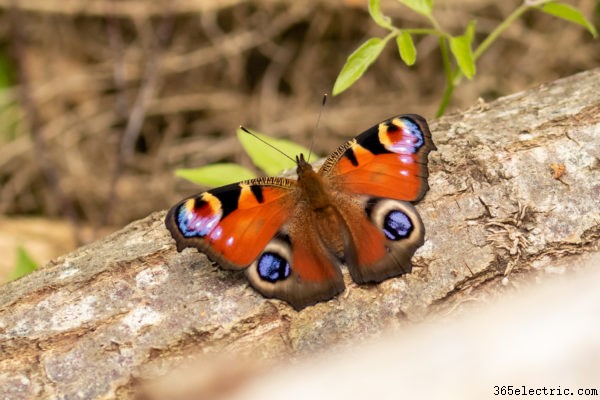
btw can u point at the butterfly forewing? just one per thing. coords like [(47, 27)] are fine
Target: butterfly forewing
[(387, 160), (232, 224)]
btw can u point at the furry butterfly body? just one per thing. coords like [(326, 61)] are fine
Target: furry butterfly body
[(291, 236)]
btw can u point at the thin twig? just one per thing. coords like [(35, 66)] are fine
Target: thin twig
[(136, 117)]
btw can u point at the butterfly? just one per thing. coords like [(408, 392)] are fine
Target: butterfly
[(291, 236)]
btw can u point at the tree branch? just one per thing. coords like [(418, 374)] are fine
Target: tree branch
[(130, 307)]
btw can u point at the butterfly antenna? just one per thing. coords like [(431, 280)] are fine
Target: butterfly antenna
[(312, 142), (265, 142)]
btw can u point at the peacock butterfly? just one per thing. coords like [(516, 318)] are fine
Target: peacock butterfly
[(291, 236)]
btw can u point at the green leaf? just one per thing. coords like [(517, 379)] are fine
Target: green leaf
[(377, 15), (470, 31), (266, 158), (569, 13), (421, 6), (357, 63), (460, 46), (216, 174), (24, 265), (10, 113), (7, 72), (407, 49)]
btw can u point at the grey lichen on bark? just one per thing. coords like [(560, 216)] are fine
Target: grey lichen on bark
[(129, 307)]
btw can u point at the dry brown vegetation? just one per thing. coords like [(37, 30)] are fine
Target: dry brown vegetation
[(114, 95)]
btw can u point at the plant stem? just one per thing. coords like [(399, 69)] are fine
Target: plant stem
[(449, 78), (421, 31), (455, 74), (434, 23), (499, 29)]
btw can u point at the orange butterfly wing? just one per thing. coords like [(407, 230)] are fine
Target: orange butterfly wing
[(258, 226), (388, 160), (232, 224), (387, 167), (295, 266)]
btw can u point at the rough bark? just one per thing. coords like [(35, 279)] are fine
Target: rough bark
[(541, 342), (129, 307)]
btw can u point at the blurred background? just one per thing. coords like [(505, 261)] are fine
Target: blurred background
[(100, 100)]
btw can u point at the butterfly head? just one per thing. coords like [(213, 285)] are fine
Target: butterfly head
[(303, 167)]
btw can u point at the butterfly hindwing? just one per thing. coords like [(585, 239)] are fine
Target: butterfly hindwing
[(296, 268), (396, 231)]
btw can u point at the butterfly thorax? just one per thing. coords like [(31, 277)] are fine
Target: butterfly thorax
[(312, 186)]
